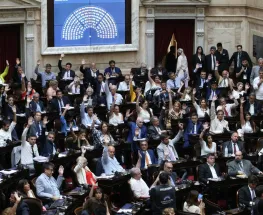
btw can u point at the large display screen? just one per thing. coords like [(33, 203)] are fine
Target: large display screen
[(89, 22)]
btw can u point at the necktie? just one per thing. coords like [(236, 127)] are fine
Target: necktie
[(146, 159), (194, 129), (68, 74), (171, 154), (225, 112), (238, 60), (112, 98), (38, 129), (253, 195), (241, 167), (174, 84), (213, 94), (235, 150), (33, 153), (60, 105), (224, 82)]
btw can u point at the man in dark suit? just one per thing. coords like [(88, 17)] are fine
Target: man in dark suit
[(171, 61), (65, 73), (154, 130), (37, 127), (212, 90), (59, 102), (36, 105), (210, 61), (233, 145), (90, 74), (18, 72), (146, 156), (160, 71), (243, 74), (252, 105), (240, 166), (193, 127), (246, 194), (237, 58), (258, 207), (222, 58), (113, 72), (209, 170)]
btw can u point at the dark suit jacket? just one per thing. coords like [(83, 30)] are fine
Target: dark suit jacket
[(109, 71), (34, 128), (8, 112), (132, 126), (22, 209), (153, 133), (196, 60), (55, 104), (189, 129), (228, 144), (208, 65), (63, 70), (248, 168), (33, 106), (46, 147), (154, 72), (170, 62), (88, 79), (17, 77), (235, 57), (208, 93), (257, 107), (152, 157), (205, 172), (244, 196), (223, 60)]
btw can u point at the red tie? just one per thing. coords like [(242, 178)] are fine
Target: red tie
[(235, 149), (225, 112)]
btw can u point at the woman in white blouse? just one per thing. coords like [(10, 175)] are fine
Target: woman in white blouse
[(207, 146), (143, 111), (115, 117), (201, 109), (182, 73), (74, 86), (193, 204), (239, 92)]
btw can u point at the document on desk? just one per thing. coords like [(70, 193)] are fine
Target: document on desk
[(105, 177), (214, 179), (1, 180), (21, 114), (9, 172), (40, 159), (69, 108)]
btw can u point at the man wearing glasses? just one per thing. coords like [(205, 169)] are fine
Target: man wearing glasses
[(46, 185), (146, 156)]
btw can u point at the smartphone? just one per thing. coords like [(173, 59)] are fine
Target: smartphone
[(200, 196)]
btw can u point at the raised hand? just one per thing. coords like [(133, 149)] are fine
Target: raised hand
[(242, 100), (131, 77), (137, 132), (139, 155), (28, 99), (107, 76), (61, 170), (62, 55), (45, 121), (14, 109), (247, 86), (182, 83), (194, 91), (214, 98), (83, 62), (205, 126), (7, 88), (184, 106), (23, 75), (197, 66), (94, 118), (128, 113), (38, 62), (83, 150), (85, 98), (181, 126), (18, 198), (18, 61), (7, 63), (30, 121), (67, 106)]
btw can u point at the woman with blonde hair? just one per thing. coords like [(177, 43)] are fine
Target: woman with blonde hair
[(182, 73), (168, 211), (51, 91)]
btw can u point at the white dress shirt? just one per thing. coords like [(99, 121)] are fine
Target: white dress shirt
[(67, 75), (218, 126), (171, 84), (139, 188), (6, 135), (200, 112), (213, 60), (252, 193), (252, 109), (86, 120), (258, 90), (205, 149), (213, 171), (123, 86), (223, 83), (229, 107), (237, 148)]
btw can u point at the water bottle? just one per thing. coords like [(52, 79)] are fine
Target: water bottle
[(226, 152), (122, 158)]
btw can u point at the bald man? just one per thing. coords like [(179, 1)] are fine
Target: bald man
[(109, 161), (240, 166), (233, 145)]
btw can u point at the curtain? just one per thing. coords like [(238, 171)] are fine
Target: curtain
[(184, 35), (9, 47)]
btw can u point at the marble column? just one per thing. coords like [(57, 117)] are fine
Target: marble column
[(200, 27), (150, 44)]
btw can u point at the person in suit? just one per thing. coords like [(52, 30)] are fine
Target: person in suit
[(90, 73), (137, 131), (237, 58), (146, 156), (154, 130), (18, 73), (193, 127), (166, 149), (243, 74), (171, 61), (252, 105), (65, 73), (240, 166), (46, 185), (59, 102), (255, 70), (246, 194), (37, 126), (209, 170), (36, 105), (233, 145), (258, 207), (212, 91), (113, 72), (141, 71), (125, 85), (222, 58), (198, 62), (210, 61), (160, 71), (99, 90)]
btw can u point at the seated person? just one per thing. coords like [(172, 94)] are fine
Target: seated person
[(134, 91), (202, 109), (29, 148), (90, 73), (171, 82), (67, 121), (193, 127), (233, 146), (212, 91), (87, 115), (52, 89), (240, 166), (7, 129), (112, 70), (115, 117), (99, 90), (227, 108), (17, 206), (96, 204), (166, 149), (80, 140), (138, 186), (37, 126), (137, 131), (46, 185), (154, 130), (101, 137), (27, 90), (162, 196), (223, 81), (74, 86), (143, 111), (84, 175), (59, 102), (125, 85), (236, 94), (47, 75), (111, 95), (209, 170), (187, 94), (65, 73), (247, 194), (91, 97), (24, 190), (218, 124), (252, 105), (109, 162), (207, 145), (36, 105), (145, 156), (258, 207), (159, 70), (193, 204)]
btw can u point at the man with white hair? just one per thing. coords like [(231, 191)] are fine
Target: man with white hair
[(111, 94), (125, 85), (138, 186), (226, 107), (255, 70)]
